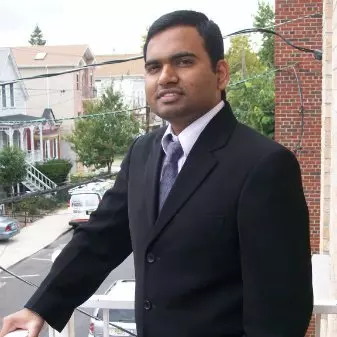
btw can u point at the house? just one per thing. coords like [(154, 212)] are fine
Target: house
[(13, 96), (128, 78), (63, 94), (37, 136)]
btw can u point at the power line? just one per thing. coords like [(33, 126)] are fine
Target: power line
[(87, 116), (316, 15), (73, 70), (317, 54), (265, 74), (77, 309)]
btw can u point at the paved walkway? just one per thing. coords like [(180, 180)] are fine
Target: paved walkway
[(34, 237)]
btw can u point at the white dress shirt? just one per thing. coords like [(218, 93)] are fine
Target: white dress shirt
[(189, 135)]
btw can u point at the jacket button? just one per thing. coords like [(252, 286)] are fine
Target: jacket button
[(150, 258), (147, 305)]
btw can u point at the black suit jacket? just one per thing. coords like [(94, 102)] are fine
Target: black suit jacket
[(228, 255)]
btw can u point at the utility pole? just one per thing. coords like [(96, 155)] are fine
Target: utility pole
[(243, 61), (147, 120)]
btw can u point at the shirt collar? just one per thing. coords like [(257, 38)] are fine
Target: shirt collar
[(189, 135)]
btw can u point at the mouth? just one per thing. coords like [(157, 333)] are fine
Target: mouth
[(169, 96)]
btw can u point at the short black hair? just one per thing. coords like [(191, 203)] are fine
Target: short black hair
[(208, 30)]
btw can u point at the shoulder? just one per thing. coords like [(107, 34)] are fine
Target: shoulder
[(250, 149), (150, 138), (143, 145)]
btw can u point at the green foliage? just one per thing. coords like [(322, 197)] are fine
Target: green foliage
[(12, 166), (265, 18), (98, 140), (36, 38), (34, 205), (78, 178), (56, 170), (252, 101)]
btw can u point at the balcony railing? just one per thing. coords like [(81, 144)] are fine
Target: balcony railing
[(322, 307), (104, 302)]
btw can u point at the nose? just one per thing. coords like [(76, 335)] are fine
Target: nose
[(167, 75)]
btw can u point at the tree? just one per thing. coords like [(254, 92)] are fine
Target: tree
[(265, 18), (143, 39), (97, 140), (36, 38), (253, 99), (12, 167)]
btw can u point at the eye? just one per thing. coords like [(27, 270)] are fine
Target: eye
[(153, 68), (184, 62)]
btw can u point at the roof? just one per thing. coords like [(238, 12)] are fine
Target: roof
[(68, 55), (48, 114), (5, 55), (19, 118), (134, 68)]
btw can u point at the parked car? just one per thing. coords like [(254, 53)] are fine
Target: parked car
[(8, 228), (84, 200), (121, 290)]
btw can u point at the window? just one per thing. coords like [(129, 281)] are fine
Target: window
[(119, 315), (40, 56), (3, 94), (77, 82), (11, 93)]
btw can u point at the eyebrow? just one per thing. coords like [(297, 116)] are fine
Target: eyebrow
[(171, 58)]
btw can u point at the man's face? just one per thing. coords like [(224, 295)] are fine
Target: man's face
[(180, 83)]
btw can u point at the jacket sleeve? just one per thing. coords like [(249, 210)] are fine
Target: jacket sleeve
[(95, 249), (274, 237)]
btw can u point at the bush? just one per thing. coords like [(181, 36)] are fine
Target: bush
[(78, 178), (56, 170), (34, 205)]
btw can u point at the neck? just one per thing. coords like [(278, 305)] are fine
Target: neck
[(178, 125)]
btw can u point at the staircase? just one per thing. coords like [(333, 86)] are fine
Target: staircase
[(36, 181)]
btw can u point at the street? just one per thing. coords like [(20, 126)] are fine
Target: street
[(14, 293)]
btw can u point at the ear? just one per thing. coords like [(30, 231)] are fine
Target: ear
[(222, 71)]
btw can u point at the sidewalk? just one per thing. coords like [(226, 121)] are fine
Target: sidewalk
[(34, 237)]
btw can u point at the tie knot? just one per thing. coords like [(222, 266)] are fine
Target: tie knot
[(174, 149)]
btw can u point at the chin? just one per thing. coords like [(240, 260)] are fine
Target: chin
[(170, 112)]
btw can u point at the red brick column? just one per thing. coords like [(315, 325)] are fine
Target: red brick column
[(288, 117)]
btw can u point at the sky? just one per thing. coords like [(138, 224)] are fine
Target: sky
[(108, 26)]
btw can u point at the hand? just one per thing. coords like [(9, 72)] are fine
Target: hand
[(24, 319)]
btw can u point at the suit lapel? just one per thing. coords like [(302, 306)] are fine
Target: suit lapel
[(199, 164), (152, 171)]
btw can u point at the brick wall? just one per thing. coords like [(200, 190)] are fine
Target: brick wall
[(288, 119)]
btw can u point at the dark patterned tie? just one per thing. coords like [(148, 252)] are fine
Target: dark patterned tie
[(170, 169)]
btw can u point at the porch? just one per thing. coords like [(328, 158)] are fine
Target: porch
[(34, 136)]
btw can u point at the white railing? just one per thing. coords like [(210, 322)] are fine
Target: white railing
[(36, 177), (103, 301), (33, 156), (323, 308), (96, 301)]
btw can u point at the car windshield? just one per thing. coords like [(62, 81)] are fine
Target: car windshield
[(119, 315)]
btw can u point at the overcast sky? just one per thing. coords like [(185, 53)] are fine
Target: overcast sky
[(108, 26)]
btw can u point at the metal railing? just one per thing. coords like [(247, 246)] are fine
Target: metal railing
[(38, 179), (103, 301), (33, 156)]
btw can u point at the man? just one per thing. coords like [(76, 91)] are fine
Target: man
[(213, 211)]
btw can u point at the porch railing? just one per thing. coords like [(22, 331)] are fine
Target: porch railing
[(33, 156), (38, 179)]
